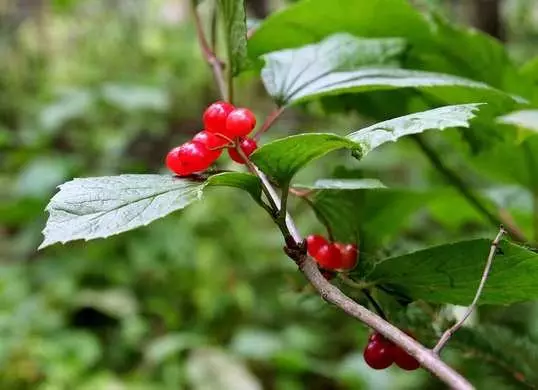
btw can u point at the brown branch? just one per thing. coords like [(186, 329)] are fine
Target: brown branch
[(489, 262), (209, 55), (269, 120), (330, 293)]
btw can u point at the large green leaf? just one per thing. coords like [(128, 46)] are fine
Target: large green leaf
[(343, 64), (435, 44), (451, 273), (99, 207), (235, 27), (283, 158), (309, 21), (391, 130)]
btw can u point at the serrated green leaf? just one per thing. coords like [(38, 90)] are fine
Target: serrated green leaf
[(391, 130), (288, 74), (450, 273), (335, 66), (100, 207), (235, 27), (244, 181), (283, 158), (527, 119)]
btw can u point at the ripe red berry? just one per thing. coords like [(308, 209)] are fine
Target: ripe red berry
[(247, 145), (189, 158), (404, 360), (240, 122), (215, 116), (328, 257), (377, 337), (348, 253), (210, 140), (378, 355), (314, 242)]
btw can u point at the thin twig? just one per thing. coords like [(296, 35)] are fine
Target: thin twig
[(464, 190), (449, 332), (374, 303), (209, 55), (269, 120)]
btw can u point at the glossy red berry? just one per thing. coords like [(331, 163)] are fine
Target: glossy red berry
[(314, 242), (240, 122), (349, 255), (247, 145), (378, 354), (215, 116), (189, 158), (377, 337), (404, 360), (210, 140), (328, 257)]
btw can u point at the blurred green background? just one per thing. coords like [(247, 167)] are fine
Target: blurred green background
[(205, 298)]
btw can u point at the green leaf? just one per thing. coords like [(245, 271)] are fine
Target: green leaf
[(244, 181), (346, 184), (391, 130), (527, 119), (336, 66), (450, 273), (99, 207), (365, 207), (309, 21), (283, 158), (233, 13)]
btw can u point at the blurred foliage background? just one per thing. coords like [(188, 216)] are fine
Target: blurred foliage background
[(204, 299)]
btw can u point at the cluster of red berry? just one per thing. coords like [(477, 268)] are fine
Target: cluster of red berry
[(224, 127), (380, 353), (331, 255)]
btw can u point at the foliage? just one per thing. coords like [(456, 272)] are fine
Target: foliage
[(208, 290)]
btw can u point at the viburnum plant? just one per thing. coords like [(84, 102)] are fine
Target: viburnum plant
[(364, 49)]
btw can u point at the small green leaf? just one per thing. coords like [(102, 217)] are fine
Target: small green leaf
[(283, 158), (100, 207), (391, 130), (527, 119), (235, 26), (244, 181), (450, 273)]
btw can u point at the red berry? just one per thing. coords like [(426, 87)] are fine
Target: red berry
[(348, 253), (210, 140), (247, 145), (404, 360), (377, 337), (378, 355), (189, 158), (215, 116), (328, 257), (240, 122), (314, 242)]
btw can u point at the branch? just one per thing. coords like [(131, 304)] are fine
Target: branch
[(333, 295), (269, 120), (209, 55), (465, 191), (449, 332)]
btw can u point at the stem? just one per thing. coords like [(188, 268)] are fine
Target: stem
[(374, 303), (269, 120), (464, 190), (283, 203), (449, 332), (209, 55)]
